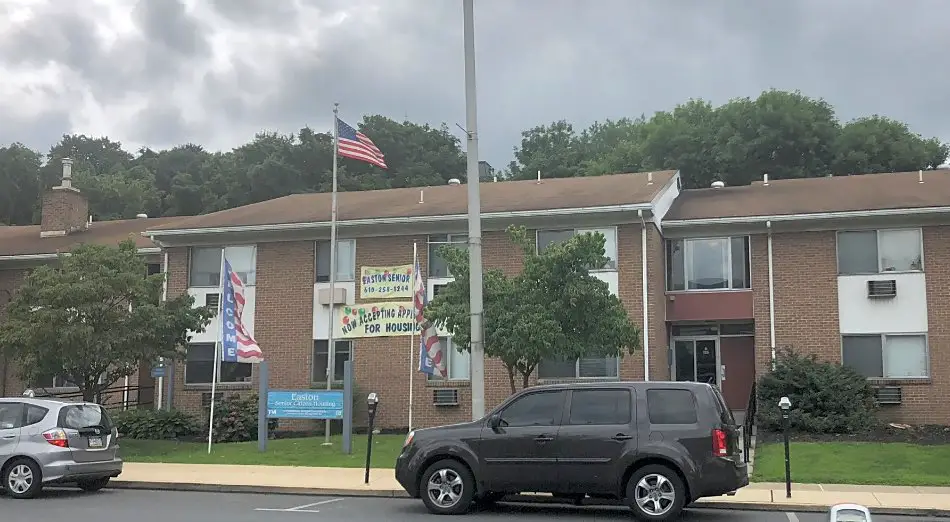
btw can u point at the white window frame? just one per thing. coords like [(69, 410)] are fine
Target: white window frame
[(449, 240), (577, 372), (448, 348), (220, 363), (877, 234), (350, 262), (688, 263), (610, 253), (884, 336), (313, 358), (248, 281)]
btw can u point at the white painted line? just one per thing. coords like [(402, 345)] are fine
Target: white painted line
[(792, 517), (322, 502), (287, 510), (301, 509)]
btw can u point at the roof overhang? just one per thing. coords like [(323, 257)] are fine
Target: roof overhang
[(32, 258)]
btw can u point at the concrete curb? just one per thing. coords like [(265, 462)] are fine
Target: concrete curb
[(527, 499)]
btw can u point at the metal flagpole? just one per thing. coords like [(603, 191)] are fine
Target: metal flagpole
[(474, 217), (412, 337), (331, 348), (218, 346)]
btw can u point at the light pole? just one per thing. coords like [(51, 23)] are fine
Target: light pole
[(785, 404)]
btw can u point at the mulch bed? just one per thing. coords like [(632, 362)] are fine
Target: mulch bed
[(925, 435)]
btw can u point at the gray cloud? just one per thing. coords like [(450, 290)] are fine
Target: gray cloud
[(537, 62)]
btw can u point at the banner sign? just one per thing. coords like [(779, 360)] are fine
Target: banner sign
[(385, 282), (376, 320), (305, 404)]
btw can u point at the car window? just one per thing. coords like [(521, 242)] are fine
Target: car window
[(11, 413), (81, 416), (670, 406), (725, 415), (535, 409), (35, 414), (600, 407)]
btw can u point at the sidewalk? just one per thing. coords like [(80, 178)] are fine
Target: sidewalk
[(349, 482)]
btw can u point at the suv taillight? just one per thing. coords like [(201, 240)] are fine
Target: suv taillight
[(56, 437), (720, 448)]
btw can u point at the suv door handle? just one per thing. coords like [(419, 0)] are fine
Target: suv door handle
[(8, 437), (622, 436), (543, 438)]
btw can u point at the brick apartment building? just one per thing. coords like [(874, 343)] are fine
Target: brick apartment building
[(852, 269)]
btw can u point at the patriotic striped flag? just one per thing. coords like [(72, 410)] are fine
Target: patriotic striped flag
[(237, 343), (352, 143), (430, 351)]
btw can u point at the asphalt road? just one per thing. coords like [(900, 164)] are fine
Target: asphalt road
[(159, 506)]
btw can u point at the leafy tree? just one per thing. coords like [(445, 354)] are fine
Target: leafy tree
[(19, 184), (878, 144), (95, 317), (553, 309)]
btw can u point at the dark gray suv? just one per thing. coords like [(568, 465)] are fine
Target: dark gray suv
[(656, 446)]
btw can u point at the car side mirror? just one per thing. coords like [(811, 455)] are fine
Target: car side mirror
[(494, 421)]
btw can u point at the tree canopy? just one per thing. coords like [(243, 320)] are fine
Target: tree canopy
[(784, 134), (94, 317), (554, 309)]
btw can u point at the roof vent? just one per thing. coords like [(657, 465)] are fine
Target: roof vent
[(141, 216), (455, 181), (717, 184)]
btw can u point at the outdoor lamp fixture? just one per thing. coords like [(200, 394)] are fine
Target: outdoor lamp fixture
[(786, 404)]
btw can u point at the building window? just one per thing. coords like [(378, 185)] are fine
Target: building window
[(321, 357), (50, 381), (457, 364), (586, 368), (205, 270), (437, 266), (153, 268), (546, 238), (345, 260), (199, 366), (889, 356), (878, 251), (708, 264)]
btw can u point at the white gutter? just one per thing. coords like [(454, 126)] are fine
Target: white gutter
[(646, 305), (46, 257), (818, 216), (161, 360), (639, 207), (768, 225)]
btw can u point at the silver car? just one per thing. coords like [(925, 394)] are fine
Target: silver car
[(44, 442)]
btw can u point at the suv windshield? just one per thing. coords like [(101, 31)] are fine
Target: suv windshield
[(81, 416)]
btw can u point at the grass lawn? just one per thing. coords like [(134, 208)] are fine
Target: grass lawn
[(888, 464), (280, 452)]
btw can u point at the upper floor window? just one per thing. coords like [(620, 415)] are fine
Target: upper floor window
[(321, 358), (546, 238), (345, 260), (457, 363), (876, 251), (708, 264), (205, 270), (437, 265)]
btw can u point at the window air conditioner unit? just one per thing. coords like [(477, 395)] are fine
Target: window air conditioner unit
[(445, 397), (212, 301), (888, 394), (882, 288)]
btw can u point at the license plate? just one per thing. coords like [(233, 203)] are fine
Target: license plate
[(95, 442)]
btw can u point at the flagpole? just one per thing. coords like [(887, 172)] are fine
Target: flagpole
[(412, 336), (218, 346), (331, 348)]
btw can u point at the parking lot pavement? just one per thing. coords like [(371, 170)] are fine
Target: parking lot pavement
[(161, 506)]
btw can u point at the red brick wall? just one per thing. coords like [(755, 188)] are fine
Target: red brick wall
[(630, 291), (64, 210)]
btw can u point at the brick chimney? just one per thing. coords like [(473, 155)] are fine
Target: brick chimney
[(65, 210)]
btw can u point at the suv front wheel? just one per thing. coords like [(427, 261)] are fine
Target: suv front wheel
[(447, 488), (656, 493)]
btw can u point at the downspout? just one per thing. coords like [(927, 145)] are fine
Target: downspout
[(768, 225), (161, 360), (646, 306)]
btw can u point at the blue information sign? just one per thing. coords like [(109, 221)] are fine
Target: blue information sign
[(305, 404), (158, 371)]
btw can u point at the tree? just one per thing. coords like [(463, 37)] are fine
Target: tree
[(554, 309), (95, 317), (19, 184), (878, 144)]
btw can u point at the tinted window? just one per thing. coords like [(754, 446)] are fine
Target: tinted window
[(83, 416), (725, 415), (600, 407), (536, 409), (10, 415), (35, 414), (671, 407)]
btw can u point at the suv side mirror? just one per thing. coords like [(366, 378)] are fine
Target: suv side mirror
[(494, 421)]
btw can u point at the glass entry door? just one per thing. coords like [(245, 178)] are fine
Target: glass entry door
[(696, 360)]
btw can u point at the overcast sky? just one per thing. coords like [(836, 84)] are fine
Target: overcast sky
[(214, 72)]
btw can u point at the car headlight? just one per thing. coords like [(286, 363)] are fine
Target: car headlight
[(409, 438)]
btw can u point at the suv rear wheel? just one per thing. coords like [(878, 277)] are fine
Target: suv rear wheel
[(94, 484), (22, 478), (656, 493), (447, 488)]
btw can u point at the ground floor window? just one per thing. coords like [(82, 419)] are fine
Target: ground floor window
[(199, 366), (321, 357), (52, 381), (586, 368), (890, 356), (457, 364)]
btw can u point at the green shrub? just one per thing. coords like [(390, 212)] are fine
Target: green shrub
[(826, 397), (155, 424), (235, 419)]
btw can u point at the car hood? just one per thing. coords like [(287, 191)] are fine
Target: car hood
[(450, 430)]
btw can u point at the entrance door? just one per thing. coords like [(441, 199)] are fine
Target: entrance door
[(697, 360)]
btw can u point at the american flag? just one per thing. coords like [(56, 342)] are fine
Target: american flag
[(430, 351), (354, 144), (237, 343)]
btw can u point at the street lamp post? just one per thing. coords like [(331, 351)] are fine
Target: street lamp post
[(785, 404)]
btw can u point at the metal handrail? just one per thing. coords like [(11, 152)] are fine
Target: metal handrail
[(749, 422)]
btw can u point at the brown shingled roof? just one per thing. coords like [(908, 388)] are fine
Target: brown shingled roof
[(506, 196), (26, 240), (896, 190)]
